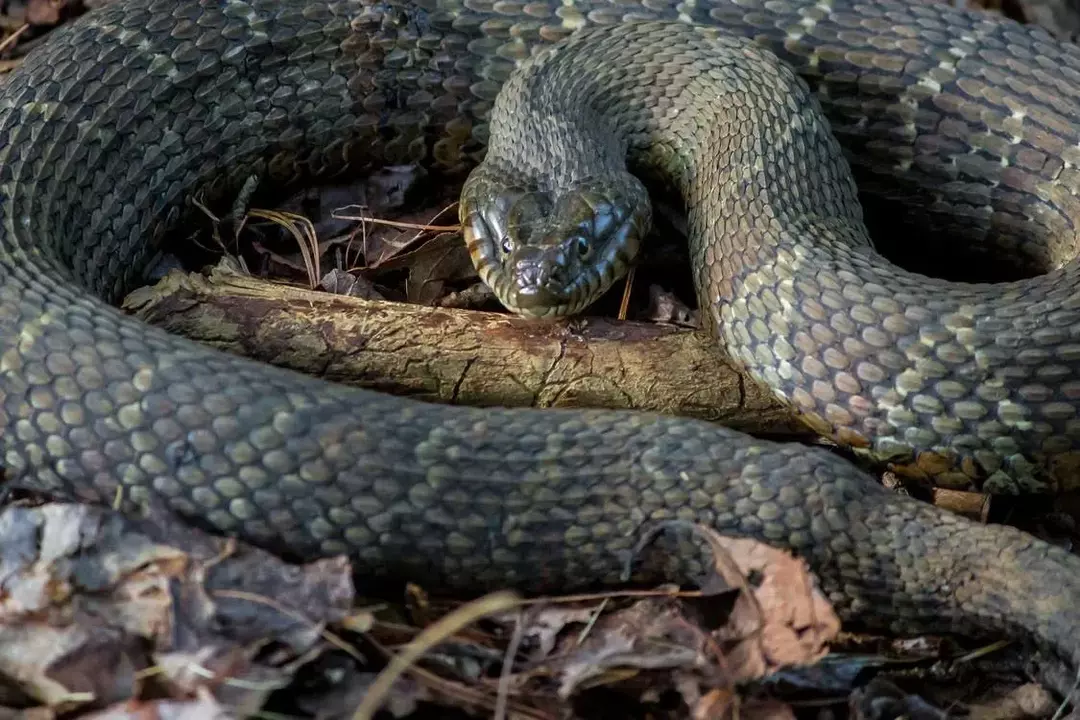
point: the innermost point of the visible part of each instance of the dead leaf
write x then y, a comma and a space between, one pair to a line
836, 674
442, 259
383, 239
545, 625
777, 620
93, 604
650, 634
45, 12
665, 307
780, 619
349, 691
1027, 701
340, 282
784, 620
473, 297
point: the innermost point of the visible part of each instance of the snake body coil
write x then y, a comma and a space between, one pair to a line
109, 128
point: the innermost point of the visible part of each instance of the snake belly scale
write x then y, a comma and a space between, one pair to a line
109, 127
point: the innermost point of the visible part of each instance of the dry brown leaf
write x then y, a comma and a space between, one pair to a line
382, 240
340, 282
546, 624
778, 620
95, 604
651, 634
785, 620
440, 260
45, 12
473, 297
666, 307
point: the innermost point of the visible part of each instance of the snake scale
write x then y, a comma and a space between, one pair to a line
108, 128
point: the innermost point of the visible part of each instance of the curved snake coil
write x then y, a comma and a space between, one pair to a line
109, 127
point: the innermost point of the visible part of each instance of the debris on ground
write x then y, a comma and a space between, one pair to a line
145, 616
760, 613
98, 608
1027, 701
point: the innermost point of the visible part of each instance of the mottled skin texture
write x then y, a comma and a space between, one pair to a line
969, 385
109, 127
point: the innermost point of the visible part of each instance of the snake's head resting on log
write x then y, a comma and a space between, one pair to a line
553, 217
551, 252
968, 385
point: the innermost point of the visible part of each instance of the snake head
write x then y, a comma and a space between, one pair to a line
549, 253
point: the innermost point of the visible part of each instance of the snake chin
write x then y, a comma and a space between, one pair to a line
550, 253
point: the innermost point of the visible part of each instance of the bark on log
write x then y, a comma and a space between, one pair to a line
463, 357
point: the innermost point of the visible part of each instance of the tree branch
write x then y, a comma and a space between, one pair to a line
463, 357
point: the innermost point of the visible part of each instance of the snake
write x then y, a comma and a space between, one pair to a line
126, 124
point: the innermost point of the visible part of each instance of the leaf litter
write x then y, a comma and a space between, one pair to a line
103, 614
99, 609
108, 617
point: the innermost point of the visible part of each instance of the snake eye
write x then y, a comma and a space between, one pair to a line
583, 246
507, 245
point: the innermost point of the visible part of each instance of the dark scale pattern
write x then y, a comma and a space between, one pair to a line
112, 124
967, 385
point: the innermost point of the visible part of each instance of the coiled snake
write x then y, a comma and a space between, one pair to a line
108, 128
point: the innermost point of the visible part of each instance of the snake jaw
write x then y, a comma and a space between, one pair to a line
552, 253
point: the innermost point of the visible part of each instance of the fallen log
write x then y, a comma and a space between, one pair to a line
462, 356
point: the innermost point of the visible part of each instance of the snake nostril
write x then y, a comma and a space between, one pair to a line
534, 267
529, 273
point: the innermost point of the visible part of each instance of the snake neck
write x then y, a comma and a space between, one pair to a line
906, 369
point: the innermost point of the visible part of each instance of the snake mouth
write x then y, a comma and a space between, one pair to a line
552, 253
540, 300
559, 275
